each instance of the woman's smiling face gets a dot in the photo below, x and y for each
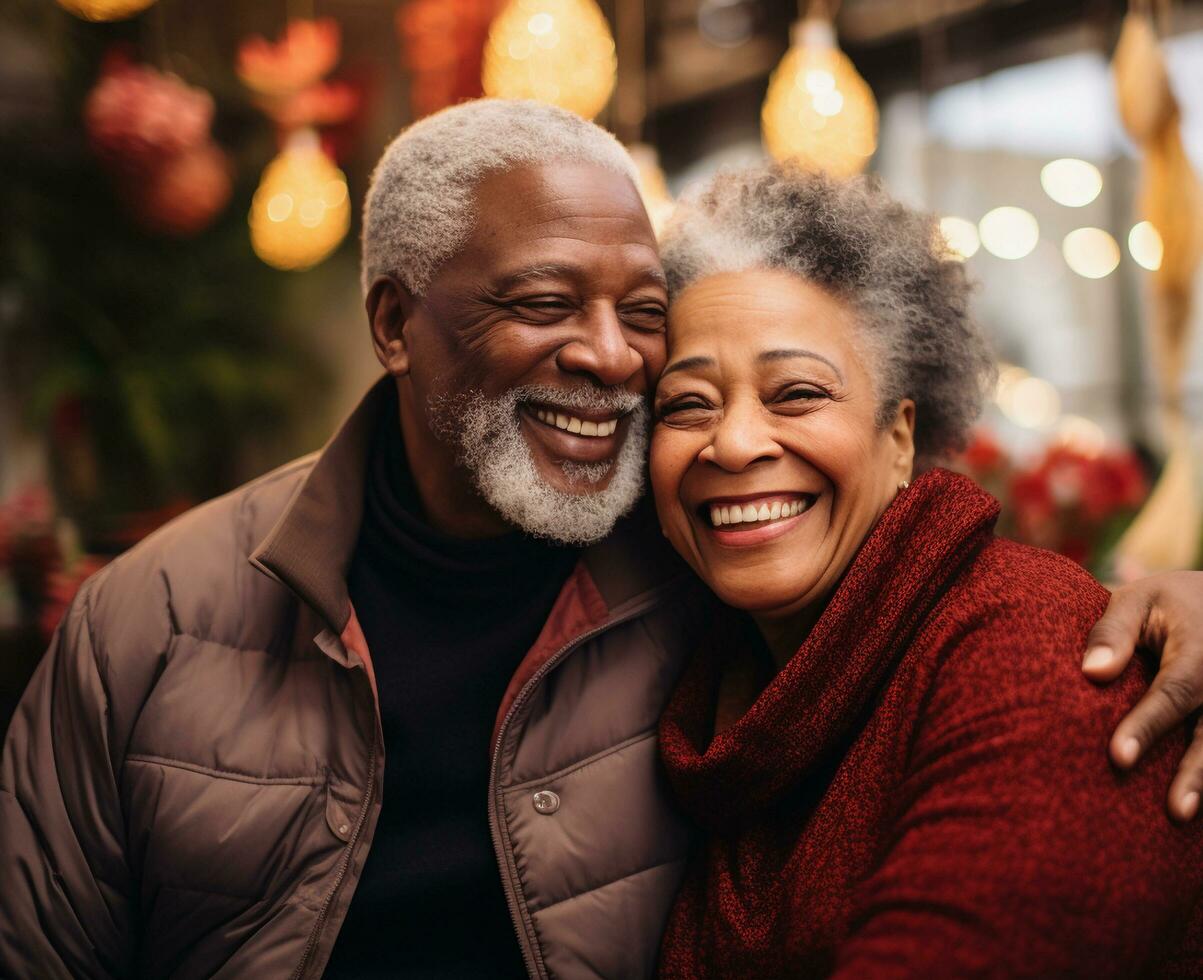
(768, 463)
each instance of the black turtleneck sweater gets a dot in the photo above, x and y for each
(447, 622)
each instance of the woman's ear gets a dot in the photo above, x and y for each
(390, 306)
(902, 440)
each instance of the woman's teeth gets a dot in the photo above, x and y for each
(758, 512)
(581, 427)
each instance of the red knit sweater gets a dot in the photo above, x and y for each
(923, 790)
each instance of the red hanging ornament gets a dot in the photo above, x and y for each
(151, 132)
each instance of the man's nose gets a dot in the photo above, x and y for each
(601, 350)
(743, 436)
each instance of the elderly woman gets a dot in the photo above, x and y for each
(898, 764)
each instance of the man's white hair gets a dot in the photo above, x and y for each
(421, 205)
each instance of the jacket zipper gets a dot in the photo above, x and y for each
(517, 917)
(344, 864)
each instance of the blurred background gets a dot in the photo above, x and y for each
(180, 191)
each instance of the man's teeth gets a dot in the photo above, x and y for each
(754, 513)
(570, 423)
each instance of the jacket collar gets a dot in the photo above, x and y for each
(311, 545)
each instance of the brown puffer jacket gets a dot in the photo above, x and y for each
(191, 782)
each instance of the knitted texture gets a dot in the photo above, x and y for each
(924, 789)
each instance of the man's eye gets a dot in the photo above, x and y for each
(548, 305)
(650, 312)
(650, 318)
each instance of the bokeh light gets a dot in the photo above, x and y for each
(1074, 183)
(104, 10)
(961, 239)
(1081, 434)
(1009, 232)
(1144, 244)
(819, 113)
(556, 51)
(1028, 401)
(1090, 252)
(301, 210)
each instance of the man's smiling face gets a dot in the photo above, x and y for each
(534, 349)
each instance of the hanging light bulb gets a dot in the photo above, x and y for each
(653, 187)
(819, 112)
(103, 10)
(557, 51)
(301, 211)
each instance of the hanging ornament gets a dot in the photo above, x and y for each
(653, 187)
(556, 51)
(300, 211)
(306, 53)
(286, 75)
(104, 10)
(151, 132)
(1168, 532)
(136, 117)
(819, 113)
(182, 197)
(442, 44)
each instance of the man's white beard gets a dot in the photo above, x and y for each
(487, 434)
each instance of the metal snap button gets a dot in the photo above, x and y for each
(546, 802)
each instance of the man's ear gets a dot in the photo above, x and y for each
(902, 439)
(390, 306)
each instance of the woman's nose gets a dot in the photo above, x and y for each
(601, 351)
(742, 437)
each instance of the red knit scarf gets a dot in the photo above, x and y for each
(781, 753)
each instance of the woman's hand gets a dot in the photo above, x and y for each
(1165, 614)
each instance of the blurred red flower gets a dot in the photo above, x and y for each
(151, 131)
(305, 54)
(442, 43)
(1072, 502)
(183, 195)
(323, 104)
(137, 117)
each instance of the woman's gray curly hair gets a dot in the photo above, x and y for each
(887, 260)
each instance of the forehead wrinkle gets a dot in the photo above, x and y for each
(618, 221)
(648, 270)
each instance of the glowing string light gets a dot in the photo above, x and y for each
(1144, 243)
(1008, 232)
(1073, 183)
(1090, 252)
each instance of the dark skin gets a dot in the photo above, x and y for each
(560, 285)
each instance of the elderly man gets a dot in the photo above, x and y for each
(210, 775)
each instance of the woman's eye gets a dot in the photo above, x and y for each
(804, 393)
(679, 407)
